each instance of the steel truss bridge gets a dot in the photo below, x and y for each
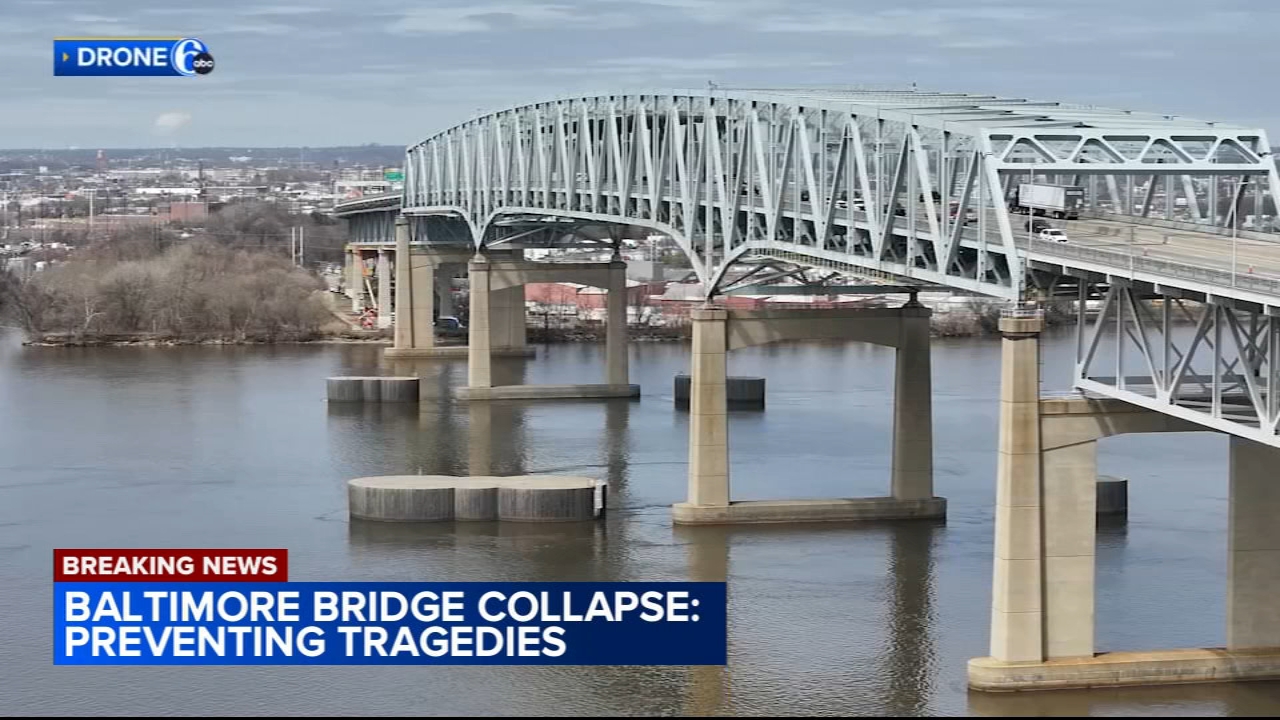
(916, 187)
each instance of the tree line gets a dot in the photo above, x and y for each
(230, 280)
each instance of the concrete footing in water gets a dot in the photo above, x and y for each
(1116, 669)
(740, 392)
(440, 498)
(548, 392)
(455, 351)
(372, 389)
(788, 511)
(1113, 497)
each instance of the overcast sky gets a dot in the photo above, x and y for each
(342, 72)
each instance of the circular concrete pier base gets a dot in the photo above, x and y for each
(401, 498)
(1113, 496)
(399, 389)
(372, 389)
(437, 498)
(740, 392)
(345, 389)
(476, 501)
(564, 499)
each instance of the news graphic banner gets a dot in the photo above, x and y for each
(131, 57)
(237, 607)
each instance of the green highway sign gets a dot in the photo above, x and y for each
(392, 175)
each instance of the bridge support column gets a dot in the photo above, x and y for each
(502, 288)
(405, 301)
(479, 373)
(1042, 626)
(616, 370)
(708, 412)
(717, 331)
(912, 474)
(508, 318)
(1253, 567)
(384, 288)
(1016, 599)
(355, 279)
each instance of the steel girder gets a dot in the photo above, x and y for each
(916, 188)
(1215, 363)
(372, 227)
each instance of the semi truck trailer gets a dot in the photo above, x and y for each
(1059, 201)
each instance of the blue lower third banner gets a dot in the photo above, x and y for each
(315, 623)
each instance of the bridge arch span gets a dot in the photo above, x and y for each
(906, 183)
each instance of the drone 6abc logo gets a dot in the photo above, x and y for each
(191, 57)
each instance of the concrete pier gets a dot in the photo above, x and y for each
(740, 392)
(372, 389)
(1253, 548)
(1047, 509)
(355, 278)
(497, 323)
(717, 331)
(478, 339)
(384, 289)
(406, 498)
(439, 498)
(532, 499)
(1113, 497)
(422, 283)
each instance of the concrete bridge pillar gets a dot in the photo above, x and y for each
(479, 337)
(616, 372)
(508, 318)
(1042, 614)
(912, 474)
(1016, 599)
(1253, 566)
(384, 288)
(404, 287)
(708, 411)
(717, 331)
(498, 325)
(1043, 590)
(355, 279)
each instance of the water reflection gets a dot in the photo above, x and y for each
(1239, 700)
(707, 560)
(910, 661)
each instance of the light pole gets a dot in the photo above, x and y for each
(1235, 225)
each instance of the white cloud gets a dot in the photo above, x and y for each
(258, 28)
(979, 43)
(169, 123)
(484, 17)
(711, 62)
(92, 19)
(283, 10)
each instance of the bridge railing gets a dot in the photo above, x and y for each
(1119, 261)
(1202, 228)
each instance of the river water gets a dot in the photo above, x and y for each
(216, 447)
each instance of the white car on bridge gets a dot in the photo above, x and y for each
(1053, 235)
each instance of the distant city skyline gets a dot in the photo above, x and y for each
(324, 73)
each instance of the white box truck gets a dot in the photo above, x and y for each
(1059, 201)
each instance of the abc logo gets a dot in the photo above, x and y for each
(203, 63)
(191, 57)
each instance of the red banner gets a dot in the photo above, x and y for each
(203, 565)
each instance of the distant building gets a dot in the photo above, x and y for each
(360, 188)
(174, 191)
(188, 211)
